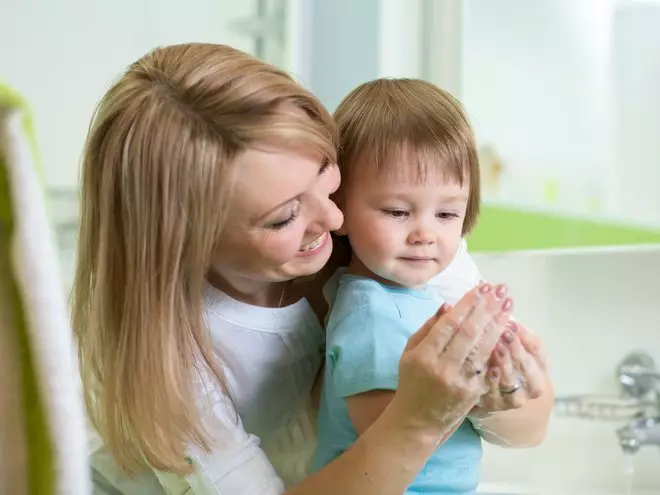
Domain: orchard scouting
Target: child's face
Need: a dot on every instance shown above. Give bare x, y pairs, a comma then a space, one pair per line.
402, 230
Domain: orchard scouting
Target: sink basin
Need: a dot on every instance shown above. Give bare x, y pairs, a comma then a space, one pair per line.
504, 489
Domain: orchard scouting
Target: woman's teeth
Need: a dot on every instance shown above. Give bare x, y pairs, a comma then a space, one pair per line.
314, 244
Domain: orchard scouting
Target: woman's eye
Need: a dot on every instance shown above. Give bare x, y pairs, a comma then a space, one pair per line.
325, 167
280, 224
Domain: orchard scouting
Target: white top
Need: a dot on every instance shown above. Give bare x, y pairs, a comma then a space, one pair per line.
271, 358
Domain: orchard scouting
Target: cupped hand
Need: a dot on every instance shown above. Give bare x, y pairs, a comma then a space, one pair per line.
517, 372
442, 372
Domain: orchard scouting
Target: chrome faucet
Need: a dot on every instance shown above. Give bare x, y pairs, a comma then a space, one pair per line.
639, 432
639, 378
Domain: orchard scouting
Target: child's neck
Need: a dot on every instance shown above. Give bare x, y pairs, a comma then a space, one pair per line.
356, 267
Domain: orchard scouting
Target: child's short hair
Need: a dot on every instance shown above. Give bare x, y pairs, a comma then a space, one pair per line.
387, 121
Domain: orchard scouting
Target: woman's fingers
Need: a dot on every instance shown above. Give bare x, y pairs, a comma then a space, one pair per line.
423, 332
444, 325
533, 345
493, 379
480, 328
528, 367
510, 377
516, 371
482, 352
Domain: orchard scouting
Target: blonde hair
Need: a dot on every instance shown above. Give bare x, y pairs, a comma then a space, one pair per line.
156, 181
386, 122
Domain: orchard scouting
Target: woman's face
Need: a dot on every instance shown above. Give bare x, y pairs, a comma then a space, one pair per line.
279, 220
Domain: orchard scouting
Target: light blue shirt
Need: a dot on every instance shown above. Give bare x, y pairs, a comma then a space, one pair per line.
366, 334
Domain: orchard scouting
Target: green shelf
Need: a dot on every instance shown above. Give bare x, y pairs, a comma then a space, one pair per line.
509, 229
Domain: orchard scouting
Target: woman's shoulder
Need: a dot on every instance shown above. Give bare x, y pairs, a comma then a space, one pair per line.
107, 477
235, 463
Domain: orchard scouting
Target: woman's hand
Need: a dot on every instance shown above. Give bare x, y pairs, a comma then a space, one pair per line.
517, 372
515, 411
442, 372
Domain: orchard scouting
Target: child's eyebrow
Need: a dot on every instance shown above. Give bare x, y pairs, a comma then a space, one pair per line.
454, 198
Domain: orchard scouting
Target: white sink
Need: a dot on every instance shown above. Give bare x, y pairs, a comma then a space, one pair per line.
503, 489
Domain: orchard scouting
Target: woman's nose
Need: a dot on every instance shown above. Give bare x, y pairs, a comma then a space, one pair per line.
326, 217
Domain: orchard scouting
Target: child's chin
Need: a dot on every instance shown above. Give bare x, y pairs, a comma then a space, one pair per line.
418, 281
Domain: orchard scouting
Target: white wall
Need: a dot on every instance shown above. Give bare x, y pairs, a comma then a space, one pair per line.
355, 41
63, 55
344, 47
636, 79
591, 309
536, 84
566, 91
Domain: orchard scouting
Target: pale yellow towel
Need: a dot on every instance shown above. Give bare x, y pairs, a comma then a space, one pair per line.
43, 440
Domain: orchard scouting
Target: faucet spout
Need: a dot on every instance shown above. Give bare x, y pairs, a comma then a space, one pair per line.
638, 433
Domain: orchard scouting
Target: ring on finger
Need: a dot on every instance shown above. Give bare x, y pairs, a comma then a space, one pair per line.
514, 388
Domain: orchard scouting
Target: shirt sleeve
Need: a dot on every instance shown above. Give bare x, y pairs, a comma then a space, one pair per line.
237, 465
364, 349
461, 276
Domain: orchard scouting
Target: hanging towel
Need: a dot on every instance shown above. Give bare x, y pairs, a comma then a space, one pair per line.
42, 432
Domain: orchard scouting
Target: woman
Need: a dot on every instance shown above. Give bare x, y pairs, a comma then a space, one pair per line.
205, 210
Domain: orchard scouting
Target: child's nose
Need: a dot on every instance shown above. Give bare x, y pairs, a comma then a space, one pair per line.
421, 236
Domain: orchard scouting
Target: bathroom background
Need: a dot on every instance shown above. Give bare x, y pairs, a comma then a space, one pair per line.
564, 99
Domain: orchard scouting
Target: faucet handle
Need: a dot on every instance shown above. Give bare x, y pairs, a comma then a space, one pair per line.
637, 374
642, 430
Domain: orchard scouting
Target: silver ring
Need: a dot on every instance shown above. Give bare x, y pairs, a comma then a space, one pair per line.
511, 390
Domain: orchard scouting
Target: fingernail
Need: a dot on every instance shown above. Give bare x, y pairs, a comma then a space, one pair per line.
501, 290
485, 288
442, 309
508, 304
512, 326
507, 337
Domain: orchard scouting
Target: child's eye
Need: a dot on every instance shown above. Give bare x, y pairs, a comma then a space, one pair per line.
447, 215
396, 213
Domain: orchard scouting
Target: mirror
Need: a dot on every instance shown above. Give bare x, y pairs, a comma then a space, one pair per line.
563, 97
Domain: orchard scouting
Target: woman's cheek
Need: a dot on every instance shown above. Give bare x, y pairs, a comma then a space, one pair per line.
286, 244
